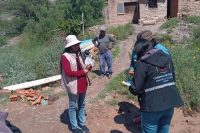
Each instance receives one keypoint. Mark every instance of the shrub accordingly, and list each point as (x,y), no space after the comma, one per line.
(171,23)
(70,26)
(13,27)
(2,40)
(165,39)
(193,19)
(122,32)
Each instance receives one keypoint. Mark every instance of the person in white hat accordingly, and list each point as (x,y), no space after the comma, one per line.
(105,44)
(74,80)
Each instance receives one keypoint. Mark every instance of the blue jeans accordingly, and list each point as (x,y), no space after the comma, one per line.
(77,110)
(156,122)
(105,58)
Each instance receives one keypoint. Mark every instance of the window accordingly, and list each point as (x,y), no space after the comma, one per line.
(129,7)
(120,8)
(152,3)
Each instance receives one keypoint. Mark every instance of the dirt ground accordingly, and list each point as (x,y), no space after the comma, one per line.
(101,116)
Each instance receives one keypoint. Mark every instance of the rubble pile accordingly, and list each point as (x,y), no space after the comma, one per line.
(33,97)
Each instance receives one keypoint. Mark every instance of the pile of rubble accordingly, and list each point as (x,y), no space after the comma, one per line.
(33,97)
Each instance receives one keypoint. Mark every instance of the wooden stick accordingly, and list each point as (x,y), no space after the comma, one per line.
(33,83)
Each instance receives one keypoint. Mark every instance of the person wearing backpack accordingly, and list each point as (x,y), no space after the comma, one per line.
(148,35)
(74,80)
(155,85)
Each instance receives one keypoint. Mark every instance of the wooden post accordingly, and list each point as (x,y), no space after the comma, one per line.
(82,22)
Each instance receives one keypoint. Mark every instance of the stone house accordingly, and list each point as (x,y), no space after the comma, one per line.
(148,11)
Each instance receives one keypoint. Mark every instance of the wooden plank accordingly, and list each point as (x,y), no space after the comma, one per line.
(33,83)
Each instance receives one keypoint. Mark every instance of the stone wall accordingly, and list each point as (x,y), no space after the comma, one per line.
(189,7)
(153,14)
(113,17)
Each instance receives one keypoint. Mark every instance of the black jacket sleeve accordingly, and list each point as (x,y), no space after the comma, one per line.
(140,75)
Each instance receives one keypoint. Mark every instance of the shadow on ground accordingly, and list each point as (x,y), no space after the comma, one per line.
(64,118)
(115,131)
(126,113)
(95,72)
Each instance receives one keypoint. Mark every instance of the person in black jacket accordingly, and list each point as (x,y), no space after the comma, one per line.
(154,83)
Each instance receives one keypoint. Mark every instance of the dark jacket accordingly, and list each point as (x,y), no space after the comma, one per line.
(155,82)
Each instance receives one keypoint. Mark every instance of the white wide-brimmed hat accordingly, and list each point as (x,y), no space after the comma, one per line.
(71,40)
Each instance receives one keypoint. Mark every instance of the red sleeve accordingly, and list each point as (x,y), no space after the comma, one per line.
(67,69)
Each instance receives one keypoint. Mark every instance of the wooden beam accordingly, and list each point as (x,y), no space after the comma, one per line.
(33,83)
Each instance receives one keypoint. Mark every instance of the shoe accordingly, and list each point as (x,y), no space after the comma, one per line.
(109,76)
(77,131)
(84,128)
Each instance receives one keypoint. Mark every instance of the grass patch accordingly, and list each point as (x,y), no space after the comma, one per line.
(186,61)
(187,74)
(112,102)
(20,64)
(115,85)
(116,50)
(196,37)
(165,39)
(171,23)
(193,19)
(122,32)
(3,40)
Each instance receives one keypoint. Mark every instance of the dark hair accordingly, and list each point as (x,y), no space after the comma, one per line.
(69,50)
(141,46)
(139,36)
(153,41)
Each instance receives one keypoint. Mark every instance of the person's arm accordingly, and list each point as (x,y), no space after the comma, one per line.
(139,78)
(94,41)
(133,60)
(68,71)
(112,39)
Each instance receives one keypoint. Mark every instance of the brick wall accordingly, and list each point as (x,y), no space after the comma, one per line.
(158,14)
(189,7)
(186,7)
(113,17)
